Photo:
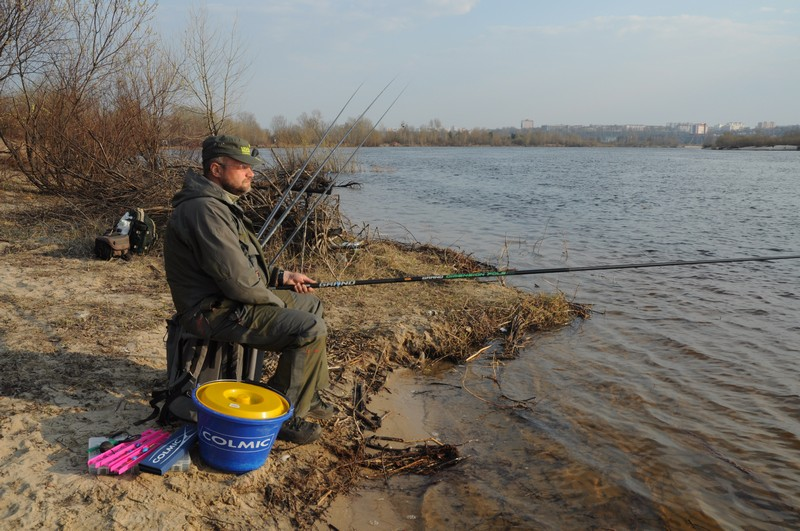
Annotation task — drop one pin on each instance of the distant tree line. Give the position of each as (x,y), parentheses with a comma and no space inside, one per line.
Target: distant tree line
(306,131)
(739,141)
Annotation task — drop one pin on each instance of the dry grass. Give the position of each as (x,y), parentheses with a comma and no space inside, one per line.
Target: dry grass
(435,320)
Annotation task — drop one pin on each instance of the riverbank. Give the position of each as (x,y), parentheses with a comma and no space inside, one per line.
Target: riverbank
(82,346)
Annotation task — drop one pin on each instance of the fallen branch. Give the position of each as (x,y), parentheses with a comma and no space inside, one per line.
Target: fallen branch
(422,458)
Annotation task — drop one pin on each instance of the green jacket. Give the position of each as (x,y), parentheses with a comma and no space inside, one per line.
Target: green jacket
(211,252)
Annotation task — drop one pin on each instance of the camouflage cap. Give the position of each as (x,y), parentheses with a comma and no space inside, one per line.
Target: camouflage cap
(230,146)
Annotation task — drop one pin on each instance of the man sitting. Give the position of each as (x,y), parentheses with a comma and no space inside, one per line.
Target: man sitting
(220,283)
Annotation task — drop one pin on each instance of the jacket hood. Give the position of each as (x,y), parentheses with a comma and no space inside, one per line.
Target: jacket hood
(196,185)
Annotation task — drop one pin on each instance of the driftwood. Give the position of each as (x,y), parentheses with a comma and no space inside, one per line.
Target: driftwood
(425,457)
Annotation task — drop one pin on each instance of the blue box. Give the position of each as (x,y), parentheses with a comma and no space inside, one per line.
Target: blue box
(175,449)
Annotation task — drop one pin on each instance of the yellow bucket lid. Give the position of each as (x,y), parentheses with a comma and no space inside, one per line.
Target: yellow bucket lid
(243,400)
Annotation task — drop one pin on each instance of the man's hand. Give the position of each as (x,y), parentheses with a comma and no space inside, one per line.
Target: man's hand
(298,281)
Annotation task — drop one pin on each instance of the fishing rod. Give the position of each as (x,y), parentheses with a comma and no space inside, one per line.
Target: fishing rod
(483,274)
(288,209)
(330,185)
(303,167)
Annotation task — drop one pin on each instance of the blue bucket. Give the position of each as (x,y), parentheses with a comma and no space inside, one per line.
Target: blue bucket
(237,423)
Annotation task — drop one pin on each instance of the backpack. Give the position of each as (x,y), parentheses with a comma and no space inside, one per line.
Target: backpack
(193,361)
(142,232)
(134,233)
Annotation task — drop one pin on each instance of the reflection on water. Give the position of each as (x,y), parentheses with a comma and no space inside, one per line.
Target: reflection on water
(677,405)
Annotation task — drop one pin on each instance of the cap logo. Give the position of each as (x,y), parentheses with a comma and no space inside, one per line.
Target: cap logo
(245,150)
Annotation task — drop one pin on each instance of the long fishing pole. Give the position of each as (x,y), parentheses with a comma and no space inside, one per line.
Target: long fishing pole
(285,194)
(288,209)
(330,185)
(483,274)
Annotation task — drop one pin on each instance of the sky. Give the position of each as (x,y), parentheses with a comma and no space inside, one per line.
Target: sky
(492,63)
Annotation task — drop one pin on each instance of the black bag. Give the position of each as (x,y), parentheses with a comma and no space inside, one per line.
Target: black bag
(142,233)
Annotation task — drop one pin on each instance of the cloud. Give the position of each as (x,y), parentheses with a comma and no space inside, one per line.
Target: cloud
(408,9)
(679,30)
(452,7)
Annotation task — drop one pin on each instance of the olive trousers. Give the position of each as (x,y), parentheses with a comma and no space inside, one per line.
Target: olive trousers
(297,332)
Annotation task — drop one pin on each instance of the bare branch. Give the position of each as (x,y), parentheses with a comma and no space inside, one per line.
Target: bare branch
(214,70)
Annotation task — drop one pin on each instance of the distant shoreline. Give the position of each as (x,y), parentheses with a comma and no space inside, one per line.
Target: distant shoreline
(786,147)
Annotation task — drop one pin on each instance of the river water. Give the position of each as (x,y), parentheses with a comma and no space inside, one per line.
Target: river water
(676,406)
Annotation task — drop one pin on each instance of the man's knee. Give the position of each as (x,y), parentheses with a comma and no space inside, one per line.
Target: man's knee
(311,304)
(316,329)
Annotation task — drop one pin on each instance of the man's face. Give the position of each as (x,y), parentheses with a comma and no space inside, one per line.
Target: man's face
(233,176)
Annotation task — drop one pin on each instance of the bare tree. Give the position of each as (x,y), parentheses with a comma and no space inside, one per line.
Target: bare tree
(26,30)
(89,120)
(246,126)
(213,70)
(312,127)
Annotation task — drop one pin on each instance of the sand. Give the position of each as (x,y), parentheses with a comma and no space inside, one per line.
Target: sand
(63,380)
